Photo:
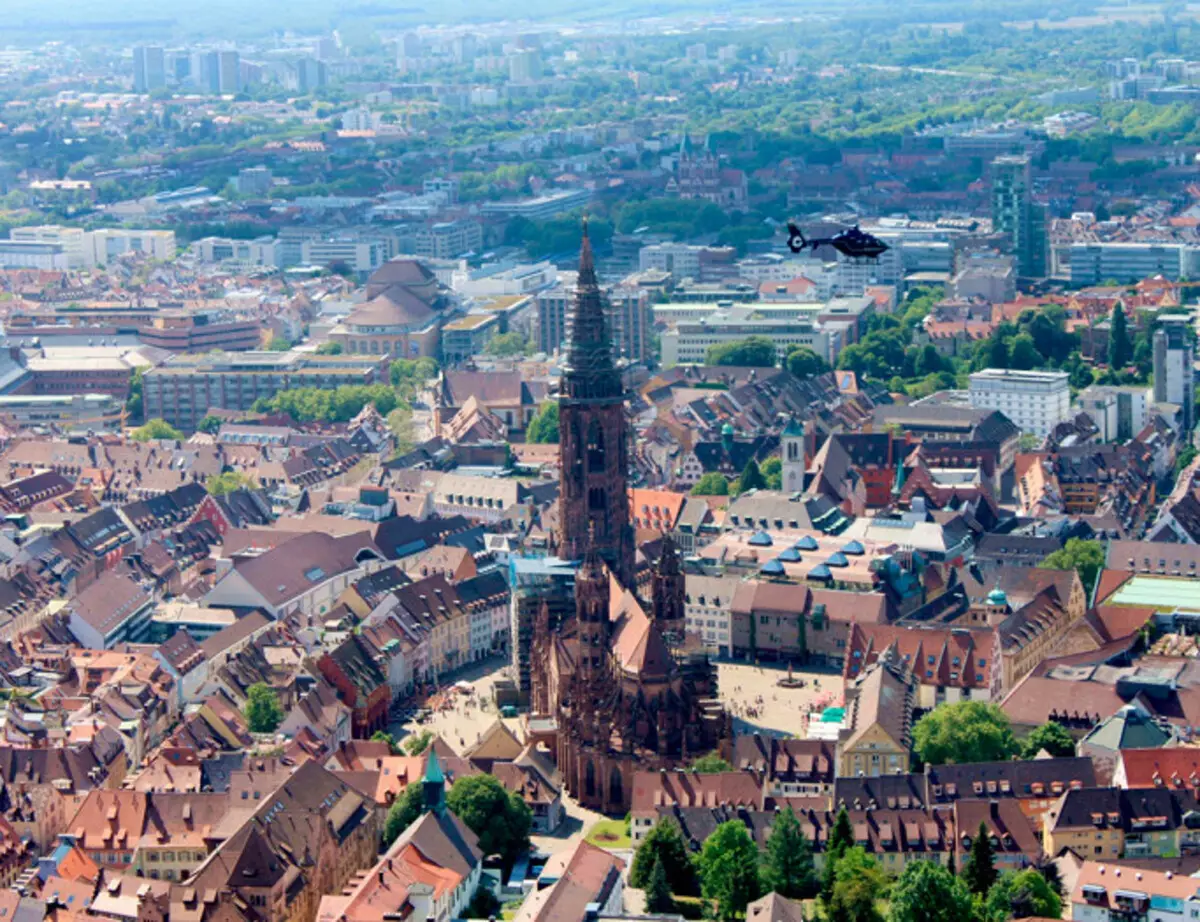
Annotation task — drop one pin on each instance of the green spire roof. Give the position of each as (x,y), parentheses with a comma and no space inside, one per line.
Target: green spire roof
(433,768)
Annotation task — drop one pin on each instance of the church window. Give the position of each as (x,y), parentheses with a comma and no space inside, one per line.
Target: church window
(595,447)
(589,780)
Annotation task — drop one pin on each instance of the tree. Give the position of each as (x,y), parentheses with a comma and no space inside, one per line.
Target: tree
(752,478)
(416,744)
(772,470)
(1120,349)
(753,352)
(403,813)
(979,869)
(228,482)
(803,362)
(209,424)
(658,892)
(133,403)
(1084,557)
(664,843)
(543,428)
(711,484)
(729,869)
(506,345)
(841,837)
(860,882)
(329,349)
(997,352)
(710,764)
(1049,870)
(788,863)
(965,731)
(156,429)
(263,712)
(1024,353)
(928,892)
(501,819)
(1020,895)
(279,344)
(1186,456)
(1050,736)
(382,736)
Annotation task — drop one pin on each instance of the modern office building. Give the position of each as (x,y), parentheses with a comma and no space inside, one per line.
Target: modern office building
(193,331)
(262,251)
(26,254)
(101,246)
(466,337)
(149,69)
(1034,400)
(1174,367)
(72,239)
(185,387)
(362,256)
(688,342)
(67,412)
(444,239)
(686,261)
(541,207)
(1095,263)
(1016,215)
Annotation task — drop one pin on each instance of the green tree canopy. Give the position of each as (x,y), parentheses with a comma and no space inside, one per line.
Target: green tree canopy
(209,424)
(500,818)
(1083,556)
(279,344)
(772,470)
(1024,354)
(1051,736)
(752,478)
(263,711)
(753,351)
(403,812)
(979,869)
(417,743)
(329,349)
(841,837)
(228,482)
(507,345)
(729,869)
(1120,348)
(711,484)
(382,736)
(928,892)
(340,405)
(965,731)
(788,862)
(859,885)
(803,362)
(1020,895)
(710,764)
(658,891)
(543,428)
(156,429)
(664,844)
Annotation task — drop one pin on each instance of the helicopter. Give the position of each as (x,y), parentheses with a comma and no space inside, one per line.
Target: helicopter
(855,243)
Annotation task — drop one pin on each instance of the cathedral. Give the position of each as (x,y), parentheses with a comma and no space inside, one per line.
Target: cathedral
(615,688)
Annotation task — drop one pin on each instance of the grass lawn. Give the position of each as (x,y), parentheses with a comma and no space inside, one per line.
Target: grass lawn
(609,834)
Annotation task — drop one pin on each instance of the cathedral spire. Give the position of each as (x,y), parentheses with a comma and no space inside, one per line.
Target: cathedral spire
(589,370)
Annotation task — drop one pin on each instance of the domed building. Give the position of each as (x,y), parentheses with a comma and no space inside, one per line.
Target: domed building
(400,316)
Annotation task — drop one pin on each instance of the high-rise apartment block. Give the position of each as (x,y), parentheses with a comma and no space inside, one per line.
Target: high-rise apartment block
(1016,215)
(1174,367)
(149,69)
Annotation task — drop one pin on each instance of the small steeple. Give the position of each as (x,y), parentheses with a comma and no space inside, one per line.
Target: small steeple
(434,784)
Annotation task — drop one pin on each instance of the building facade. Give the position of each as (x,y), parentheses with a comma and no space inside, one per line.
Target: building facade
(1034,400)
